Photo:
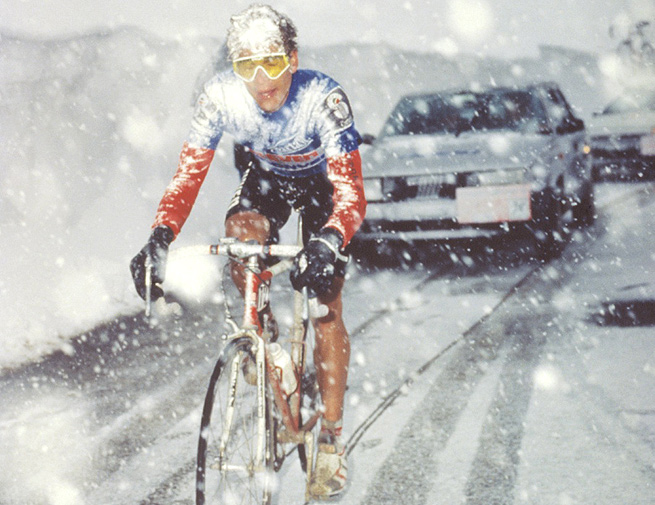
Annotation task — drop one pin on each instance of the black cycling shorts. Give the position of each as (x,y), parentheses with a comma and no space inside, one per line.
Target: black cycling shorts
(274,196)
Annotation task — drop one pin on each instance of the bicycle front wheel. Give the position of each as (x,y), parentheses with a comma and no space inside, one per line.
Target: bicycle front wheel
(235,447)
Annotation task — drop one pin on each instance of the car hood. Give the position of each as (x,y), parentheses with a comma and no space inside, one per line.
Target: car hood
(420,154)
(629,123)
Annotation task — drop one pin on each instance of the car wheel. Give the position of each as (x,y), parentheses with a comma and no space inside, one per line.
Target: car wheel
(373,255)
(584,213)
(549,230)
(369,255)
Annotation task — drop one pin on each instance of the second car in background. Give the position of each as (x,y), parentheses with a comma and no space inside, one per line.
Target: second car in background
(623,137)
(477,164)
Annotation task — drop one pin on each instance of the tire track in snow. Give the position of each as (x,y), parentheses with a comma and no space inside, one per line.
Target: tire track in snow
(406,475)
(449,271)
(494,470)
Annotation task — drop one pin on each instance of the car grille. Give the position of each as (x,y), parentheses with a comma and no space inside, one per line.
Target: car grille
(441,186)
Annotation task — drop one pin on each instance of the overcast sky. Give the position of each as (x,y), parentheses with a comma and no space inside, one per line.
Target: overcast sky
(505,28)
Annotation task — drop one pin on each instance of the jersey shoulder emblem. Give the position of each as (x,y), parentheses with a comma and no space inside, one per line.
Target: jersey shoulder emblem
(339,112)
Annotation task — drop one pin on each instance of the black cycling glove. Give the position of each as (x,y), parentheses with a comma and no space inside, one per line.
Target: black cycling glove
(314,266)
(157,250)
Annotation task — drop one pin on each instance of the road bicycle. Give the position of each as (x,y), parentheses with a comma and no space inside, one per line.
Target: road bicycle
(249,427)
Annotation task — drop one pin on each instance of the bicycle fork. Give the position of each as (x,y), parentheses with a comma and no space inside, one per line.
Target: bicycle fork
(259,461)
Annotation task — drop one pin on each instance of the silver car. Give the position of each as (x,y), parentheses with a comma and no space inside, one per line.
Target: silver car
(477,164)
(623,137)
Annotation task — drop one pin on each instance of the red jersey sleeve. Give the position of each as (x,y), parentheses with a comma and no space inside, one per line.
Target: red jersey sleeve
(345,173)
(181,193)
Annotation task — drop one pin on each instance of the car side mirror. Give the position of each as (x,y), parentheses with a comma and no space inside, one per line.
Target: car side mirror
(368,139)
(571,125)
(577,124)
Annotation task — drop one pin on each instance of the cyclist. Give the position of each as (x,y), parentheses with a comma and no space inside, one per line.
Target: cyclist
(298,124)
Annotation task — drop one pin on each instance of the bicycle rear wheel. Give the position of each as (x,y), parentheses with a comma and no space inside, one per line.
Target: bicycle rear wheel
(235,446)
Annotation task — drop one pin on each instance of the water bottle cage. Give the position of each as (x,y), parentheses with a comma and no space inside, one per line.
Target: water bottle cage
(280,374)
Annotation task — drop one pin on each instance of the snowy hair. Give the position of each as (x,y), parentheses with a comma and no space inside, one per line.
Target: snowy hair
(258,29)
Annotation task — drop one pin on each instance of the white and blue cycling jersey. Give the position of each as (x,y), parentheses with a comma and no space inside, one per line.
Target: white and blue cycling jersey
(314,124)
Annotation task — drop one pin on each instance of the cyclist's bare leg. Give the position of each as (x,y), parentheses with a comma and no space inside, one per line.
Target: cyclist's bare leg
(332,353)
(331,356)
(246,226)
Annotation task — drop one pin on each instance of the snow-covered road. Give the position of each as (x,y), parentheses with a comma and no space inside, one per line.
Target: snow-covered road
(480,380)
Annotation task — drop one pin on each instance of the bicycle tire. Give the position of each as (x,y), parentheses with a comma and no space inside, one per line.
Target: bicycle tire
(233,474)
(309,395)
(309,403)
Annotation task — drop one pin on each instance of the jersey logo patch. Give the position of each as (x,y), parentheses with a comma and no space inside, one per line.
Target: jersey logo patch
(338,109)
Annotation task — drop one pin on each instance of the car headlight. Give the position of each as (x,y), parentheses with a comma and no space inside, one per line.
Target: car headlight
(373,190)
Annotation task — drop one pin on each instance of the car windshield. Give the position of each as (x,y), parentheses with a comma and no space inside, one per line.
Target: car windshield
(631,103)
(455,113)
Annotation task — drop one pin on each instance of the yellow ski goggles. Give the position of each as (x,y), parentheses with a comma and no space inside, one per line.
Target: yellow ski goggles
(273,65)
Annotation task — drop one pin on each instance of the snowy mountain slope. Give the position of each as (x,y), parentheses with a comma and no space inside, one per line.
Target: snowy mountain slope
(90,131)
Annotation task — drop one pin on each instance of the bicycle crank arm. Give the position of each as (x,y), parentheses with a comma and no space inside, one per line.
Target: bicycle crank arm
(285,436)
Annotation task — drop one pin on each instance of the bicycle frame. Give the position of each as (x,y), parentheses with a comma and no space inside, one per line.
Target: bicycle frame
(255,298)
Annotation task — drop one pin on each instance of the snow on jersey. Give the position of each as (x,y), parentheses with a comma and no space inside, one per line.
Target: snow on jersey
(312,132)
(314,123)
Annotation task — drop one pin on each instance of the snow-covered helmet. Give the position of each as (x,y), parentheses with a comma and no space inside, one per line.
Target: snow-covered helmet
(260,29)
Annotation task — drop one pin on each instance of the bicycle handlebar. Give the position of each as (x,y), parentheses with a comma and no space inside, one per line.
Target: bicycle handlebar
(231,247)
(235,249)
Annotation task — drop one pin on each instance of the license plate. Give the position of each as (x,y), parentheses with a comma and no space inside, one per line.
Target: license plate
(647,145)
(493,204)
